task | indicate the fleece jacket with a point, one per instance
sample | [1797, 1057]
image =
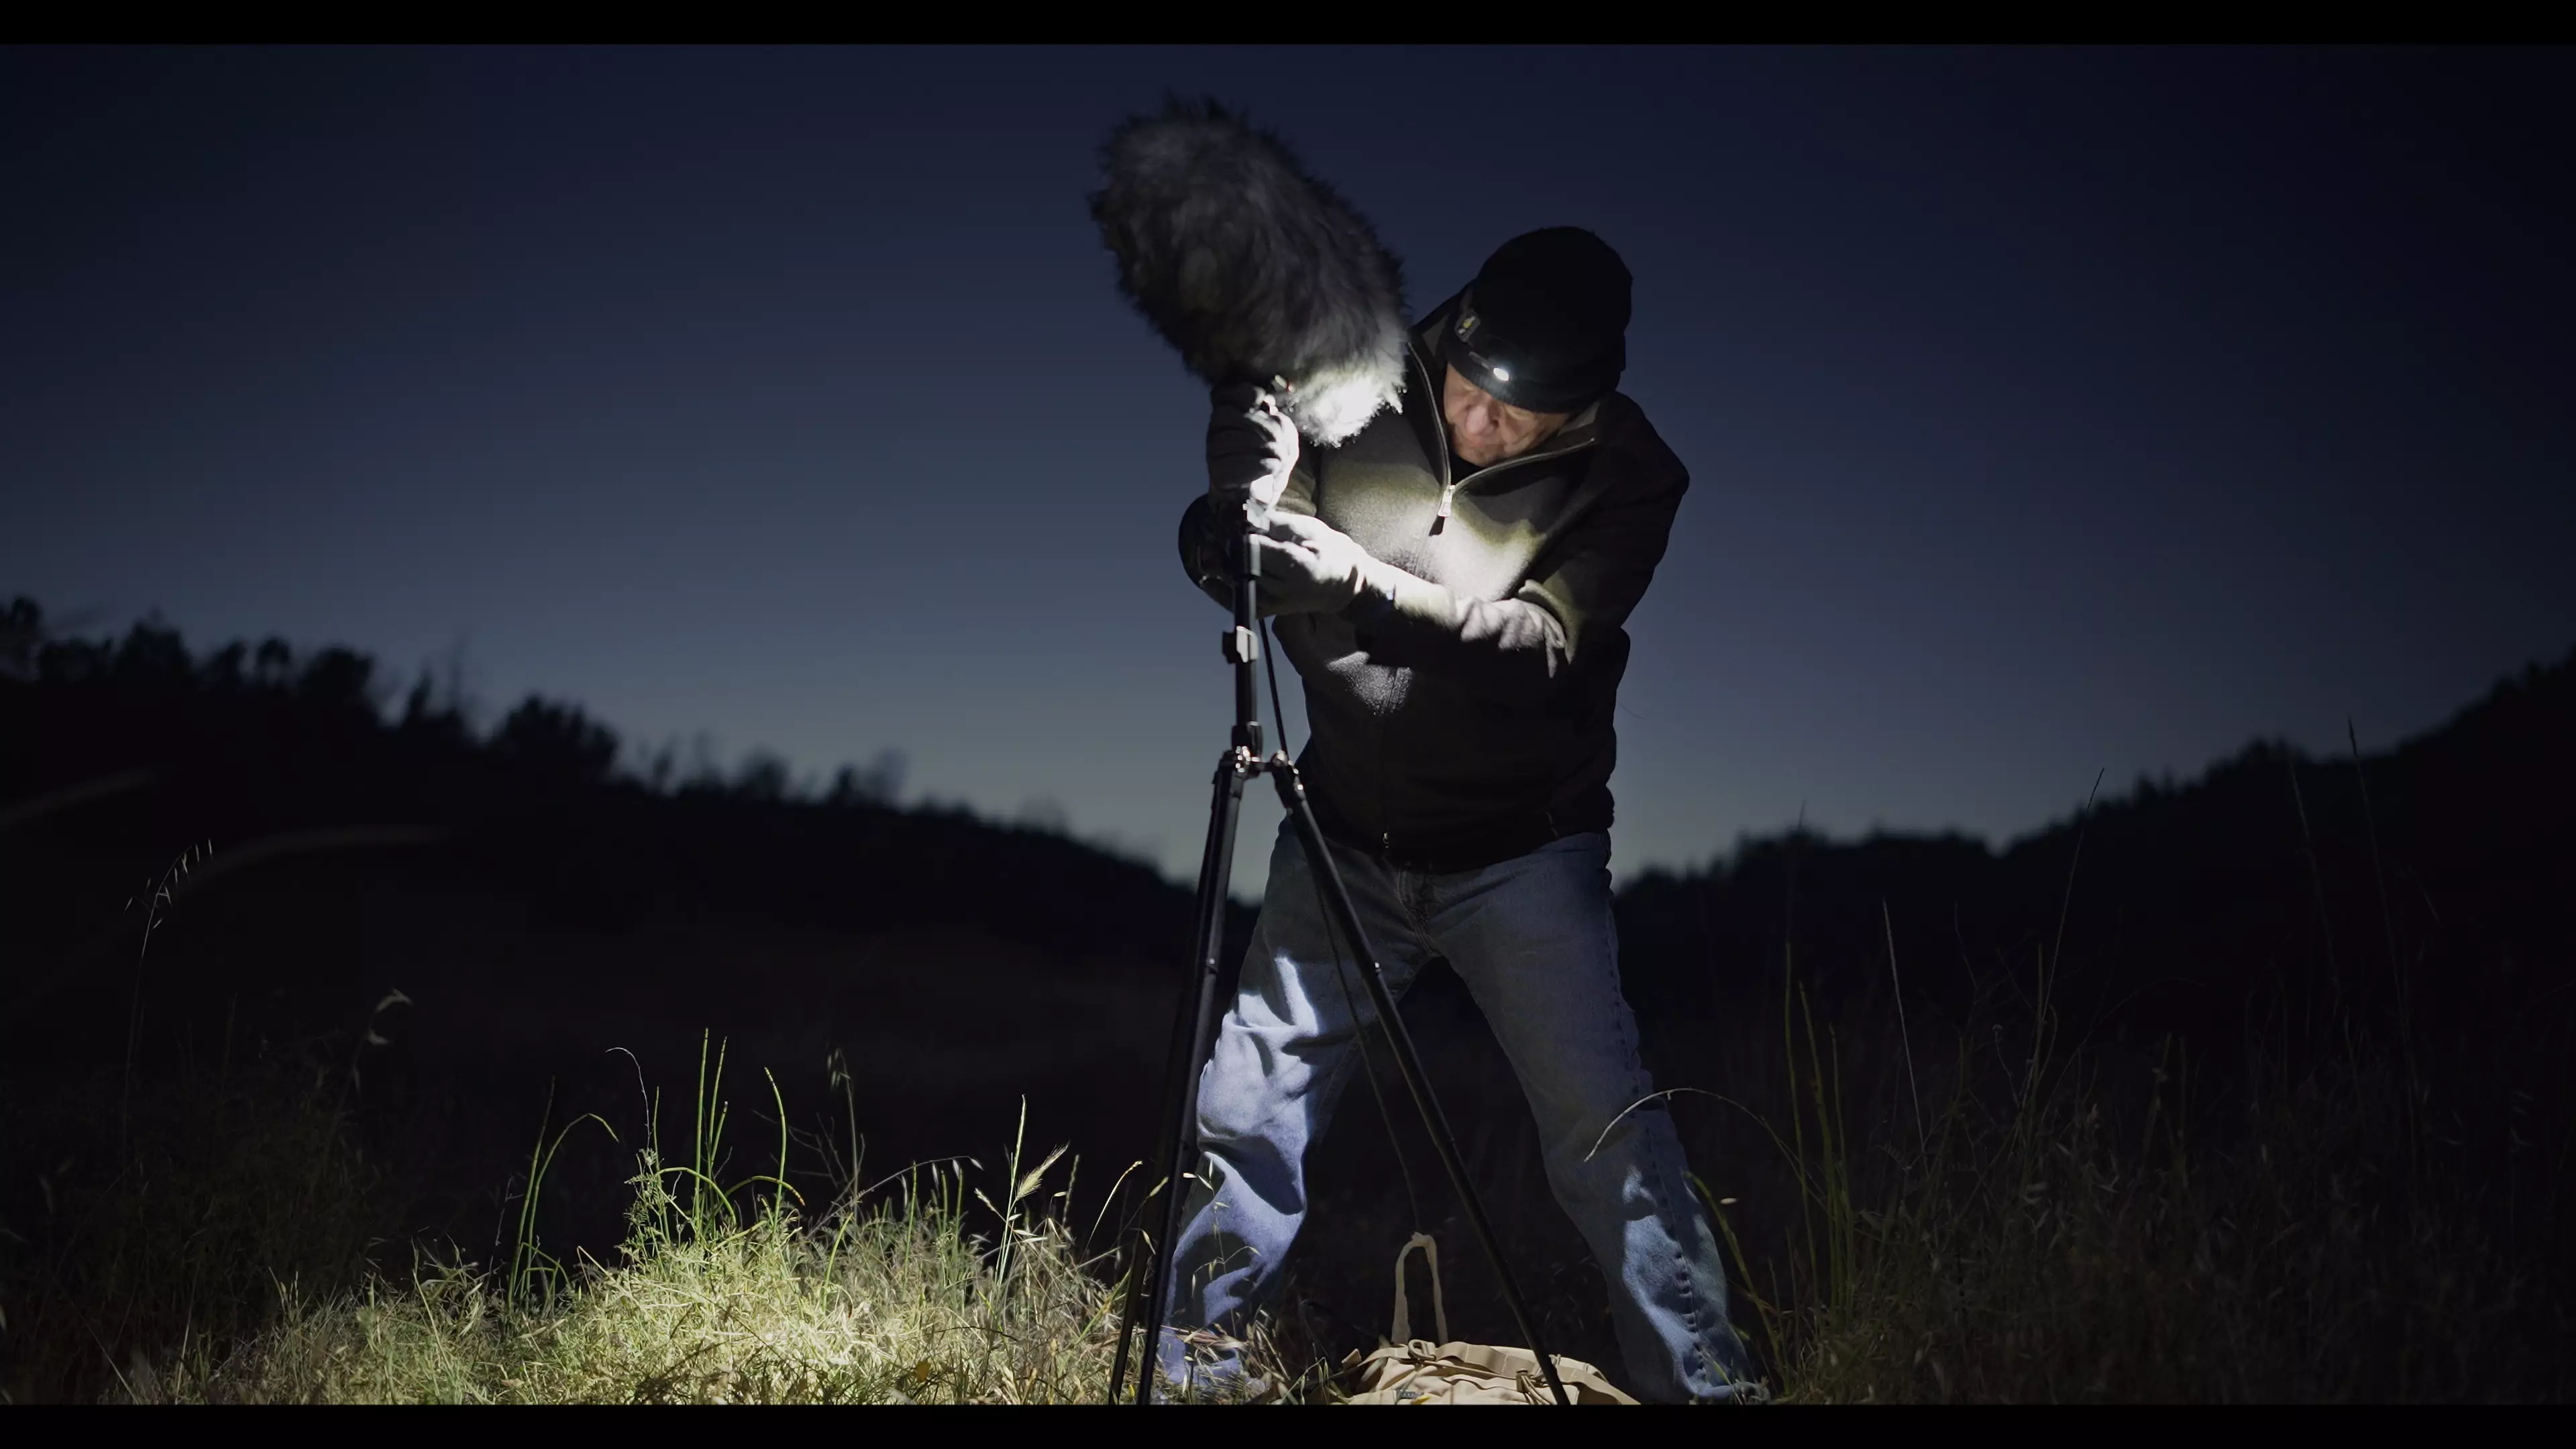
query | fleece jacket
[1469, 718]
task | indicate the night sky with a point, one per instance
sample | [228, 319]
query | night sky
[2046, 411]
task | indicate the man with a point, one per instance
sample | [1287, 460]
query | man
[1451, 584]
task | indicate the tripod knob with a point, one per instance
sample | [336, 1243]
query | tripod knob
[1242, 646]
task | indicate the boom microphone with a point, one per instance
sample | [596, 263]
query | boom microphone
[1255, 271]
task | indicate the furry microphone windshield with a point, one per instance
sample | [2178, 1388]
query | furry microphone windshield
[1256, 271]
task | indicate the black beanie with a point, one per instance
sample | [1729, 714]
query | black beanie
[1544, 325]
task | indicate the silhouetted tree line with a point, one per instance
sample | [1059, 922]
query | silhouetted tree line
[258, 739]
[2336, 874]
[547, 737]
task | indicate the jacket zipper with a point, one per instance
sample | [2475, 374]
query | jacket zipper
[1449, 489]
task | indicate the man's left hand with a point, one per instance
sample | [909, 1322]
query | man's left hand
[1251, 449]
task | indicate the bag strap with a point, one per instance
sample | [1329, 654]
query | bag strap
[1439, 1303]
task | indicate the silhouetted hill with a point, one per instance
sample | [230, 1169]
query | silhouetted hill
[538, 909]
[2448, 862]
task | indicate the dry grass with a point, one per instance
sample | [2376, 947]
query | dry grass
[930, 1290]
[2053, 1226]
[891, 1305]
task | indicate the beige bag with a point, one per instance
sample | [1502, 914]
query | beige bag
[1409, 1370]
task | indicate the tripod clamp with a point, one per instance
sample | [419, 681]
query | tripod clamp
[1150, 1256]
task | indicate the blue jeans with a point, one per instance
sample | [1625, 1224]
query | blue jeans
[1534, 941]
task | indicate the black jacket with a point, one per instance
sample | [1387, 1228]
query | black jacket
[1471, 720]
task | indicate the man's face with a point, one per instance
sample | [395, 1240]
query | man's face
[1483, 429]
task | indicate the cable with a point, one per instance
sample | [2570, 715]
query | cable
[1270, 662]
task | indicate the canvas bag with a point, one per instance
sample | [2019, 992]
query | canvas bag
[1409, 1370]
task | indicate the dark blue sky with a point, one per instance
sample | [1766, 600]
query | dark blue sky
[2046, 411]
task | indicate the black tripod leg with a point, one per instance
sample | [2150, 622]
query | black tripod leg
[1194, 1028]
[1292, 794]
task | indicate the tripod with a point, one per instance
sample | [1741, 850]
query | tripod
[1150, 1258]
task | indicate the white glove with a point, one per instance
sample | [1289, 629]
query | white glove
[1305, 565]
[1251, 448]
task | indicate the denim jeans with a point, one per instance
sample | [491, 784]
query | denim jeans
[1534, 941]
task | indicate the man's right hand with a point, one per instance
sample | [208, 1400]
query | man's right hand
[1251, 448]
